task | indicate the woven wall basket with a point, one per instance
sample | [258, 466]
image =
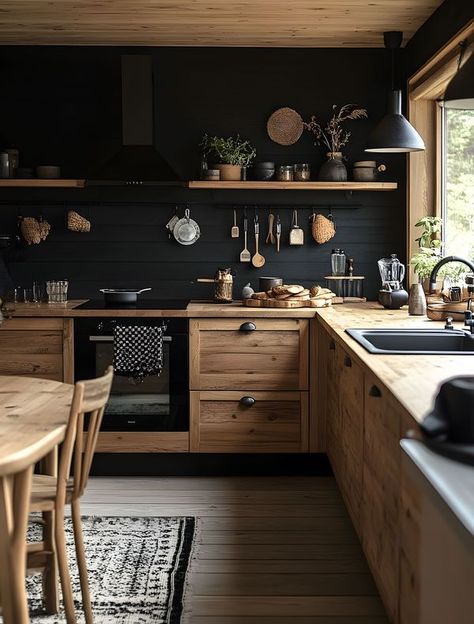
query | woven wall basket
[77, 223]
[285, 126]
[322, 229]
[34, 230]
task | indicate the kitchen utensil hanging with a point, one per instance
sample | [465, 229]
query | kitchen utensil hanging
[257, 259]
[270, 236]
[245, 253]
[186, 231]
[322, 228]
[234, 231]
[296, 233]
[278, 233]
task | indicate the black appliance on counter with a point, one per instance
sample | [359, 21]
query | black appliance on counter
[160, 402]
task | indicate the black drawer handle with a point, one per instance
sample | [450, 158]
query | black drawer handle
[247, 327]
[347, 361]
[247, 401]
[332, 346]
[375, 392]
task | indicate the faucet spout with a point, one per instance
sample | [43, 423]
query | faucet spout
[442, 262]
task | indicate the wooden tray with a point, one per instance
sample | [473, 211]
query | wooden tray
[286, 303]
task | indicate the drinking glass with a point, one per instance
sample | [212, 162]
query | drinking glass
[28, 295]
[38, 292]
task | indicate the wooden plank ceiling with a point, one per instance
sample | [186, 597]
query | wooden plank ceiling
[256, 23]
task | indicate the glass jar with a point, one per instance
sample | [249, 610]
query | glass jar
[285, 173]
[302, 172]
[338, 262]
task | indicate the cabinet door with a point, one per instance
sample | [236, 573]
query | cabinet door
[263, 422]
[31, 352]
[381, 487]
[249, 354]
[351, 416]
[332, 412]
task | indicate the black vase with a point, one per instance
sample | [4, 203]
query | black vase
[333, 170]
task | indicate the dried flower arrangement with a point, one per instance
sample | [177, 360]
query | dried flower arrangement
[333, 136]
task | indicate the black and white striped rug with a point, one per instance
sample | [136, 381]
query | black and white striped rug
[137, 570]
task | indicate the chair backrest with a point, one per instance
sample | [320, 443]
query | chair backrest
[90, 397]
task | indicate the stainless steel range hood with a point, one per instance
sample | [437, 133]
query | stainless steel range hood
[138, 162]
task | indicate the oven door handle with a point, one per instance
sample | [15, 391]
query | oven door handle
[111, 338]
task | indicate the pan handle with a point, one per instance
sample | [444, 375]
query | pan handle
[139, 292]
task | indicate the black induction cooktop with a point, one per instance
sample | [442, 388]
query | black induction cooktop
[141, 304]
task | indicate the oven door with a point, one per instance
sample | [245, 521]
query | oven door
[154, 404]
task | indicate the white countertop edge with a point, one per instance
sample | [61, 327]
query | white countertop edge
[452, 480]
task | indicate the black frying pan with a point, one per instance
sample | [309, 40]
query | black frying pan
[121, 295]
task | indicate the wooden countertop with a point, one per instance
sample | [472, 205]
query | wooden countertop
[195, 309]
[412, 379]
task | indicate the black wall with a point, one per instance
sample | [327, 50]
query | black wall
[62, 106]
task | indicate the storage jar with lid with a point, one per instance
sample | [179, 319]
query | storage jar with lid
[285, 173]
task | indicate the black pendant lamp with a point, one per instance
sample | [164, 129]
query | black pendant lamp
[460, 91]
[394, 133]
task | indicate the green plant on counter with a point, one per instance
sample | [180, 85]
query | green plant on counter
[230, 150]
[430, 244]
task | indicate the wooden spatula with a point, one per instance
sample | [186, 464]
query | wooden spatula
[257, 259]
[245, 253]
[234, 232]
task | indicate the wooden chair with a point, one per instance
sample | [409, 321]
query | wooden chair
[50, 494]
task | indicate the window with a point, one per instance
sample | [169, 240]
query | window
[458, 182]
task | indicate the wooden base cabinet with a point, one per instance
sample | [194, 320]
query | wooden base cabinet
[344, 404]
[37, 347]
[249, 385]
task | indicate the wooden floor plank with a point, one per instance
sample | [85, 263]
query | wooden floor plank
[287, 605]
[290, 584]
[269, 550]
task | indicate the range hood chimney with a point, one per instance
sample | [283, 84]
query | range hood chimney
[137, 162]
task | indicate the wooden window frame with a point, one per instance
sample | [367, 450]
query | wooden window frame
[425, 112]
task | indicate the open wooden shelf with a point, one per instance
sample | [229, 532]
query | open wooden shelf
[295, 186]
[36, 183]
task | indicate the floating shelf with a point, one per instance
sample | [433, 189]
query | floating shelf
[295, 186]
[36, 183]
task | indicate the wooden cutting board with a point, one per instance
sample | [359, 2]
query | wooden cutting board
[285, 303]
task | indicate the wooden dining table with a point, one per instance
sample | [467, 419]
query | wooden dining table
[33, 418]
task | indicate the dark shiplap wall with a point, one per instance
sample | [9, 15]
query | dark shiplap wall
[63, 106]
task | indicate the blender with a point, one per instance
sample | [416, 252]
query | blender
[392, 294]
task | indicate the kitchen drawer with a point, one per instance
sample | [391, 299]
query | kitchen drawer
[277, 422]
[273, 355]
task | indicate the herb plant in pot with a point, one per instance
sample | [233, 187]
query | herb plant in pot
[334, 138]
[430, 253]
[232, 154]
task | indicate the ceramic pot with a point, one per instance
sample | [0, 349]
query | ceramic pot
[265, 283]
[230, 173]
[333, 170]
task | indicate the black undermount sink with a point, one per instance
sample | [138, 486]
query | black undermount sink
[415, 341]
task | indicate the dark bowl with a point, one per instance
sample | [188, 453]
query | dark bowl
[264, 165]
[264, 174]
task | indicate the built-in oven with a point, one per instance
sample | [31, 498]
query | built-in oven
[154, 403]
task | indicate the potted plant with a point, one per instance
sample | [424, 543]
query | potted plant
[430, 253]
[334, 138]
[233, 153]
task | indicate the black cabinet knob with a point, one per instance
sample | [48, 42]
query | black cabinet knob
[375, 392]
[347, 361]
[247, 327]
[247, 401]
[332, 346]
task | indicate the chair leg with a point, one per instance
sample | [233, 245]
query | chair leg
[64, 575]
[81, 561]
[50, 574]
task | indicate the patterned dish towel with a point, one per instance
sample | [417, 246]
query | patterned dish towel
[138, 350]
